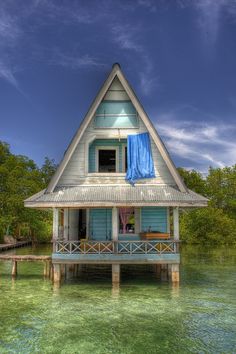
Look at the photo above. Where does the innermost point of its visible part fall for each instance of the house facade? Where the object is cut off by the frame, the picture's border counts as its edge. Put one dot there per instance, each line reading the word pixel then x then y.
pixel 100 217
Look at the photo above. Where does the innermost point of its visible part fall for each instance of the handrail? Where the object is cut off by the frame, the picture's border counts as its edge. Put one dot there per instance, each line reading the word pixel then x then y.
pixel 117 247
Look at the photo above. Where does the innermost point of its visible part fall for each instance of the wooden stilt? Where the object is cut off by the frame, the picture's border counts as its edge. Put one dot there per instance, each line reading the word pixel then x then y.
pixel 158 271
pixel 164 272
pixel 45 269
pixel 57 273
pixel 115 273
pixel 14 268
pixel 175 273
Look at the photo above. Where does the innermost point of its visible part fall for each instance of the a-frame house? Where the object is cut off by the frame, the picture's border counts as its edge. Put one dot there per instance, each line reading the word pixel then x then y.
pixel 98 215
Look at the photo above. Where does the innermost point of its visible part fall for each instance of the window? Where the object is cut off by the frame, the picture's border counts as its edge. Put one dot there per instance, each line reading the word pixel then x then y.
pixel 107 160
pixel 126 221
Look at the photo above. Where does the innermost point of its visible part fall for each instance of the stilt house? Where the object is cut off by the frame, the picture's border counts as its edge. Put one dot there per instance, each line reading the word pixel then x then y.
pixel 116 193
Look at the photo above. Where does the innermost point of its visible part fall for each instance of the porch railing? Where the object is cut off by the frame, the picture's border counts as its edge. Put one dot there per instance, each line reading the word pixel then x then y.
pixel 117 247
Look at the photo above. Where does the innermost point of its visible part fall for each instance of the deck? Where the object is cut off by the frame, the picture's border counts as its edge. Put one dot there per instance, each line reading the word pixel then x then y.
pixel 8 246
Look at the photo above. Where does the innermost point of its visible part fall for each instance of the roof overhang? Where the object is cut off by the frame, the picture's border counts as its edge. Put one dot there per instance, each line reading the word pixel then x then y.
pixel 91 196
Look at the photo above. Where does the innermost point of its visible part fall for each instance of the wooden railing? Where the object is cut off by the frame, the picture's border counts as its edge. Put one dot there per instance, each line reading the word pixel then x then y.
pixel 117 247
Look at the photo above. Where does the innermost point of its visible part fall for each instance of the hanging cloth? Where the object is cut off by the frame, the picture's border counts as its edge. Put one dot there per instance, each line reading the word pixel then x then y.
pixel 139 158
pixel 125 214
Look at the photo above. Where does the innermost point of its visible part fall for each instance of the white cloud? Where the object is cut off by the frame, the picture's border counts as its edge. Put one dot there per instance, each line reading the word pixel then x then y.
pixel 210 14
pixel 74 61
pixel 201 143
pixel 7 74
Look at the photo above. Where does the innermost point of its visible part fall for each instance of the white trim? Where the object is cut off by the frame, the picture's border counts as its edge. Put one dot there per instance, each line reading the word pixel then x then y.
pixel 116 71
pixel 86 153
pixel 115 224
pixel 123 157
pixel 176 223
pixel 97 148
pixel 55 223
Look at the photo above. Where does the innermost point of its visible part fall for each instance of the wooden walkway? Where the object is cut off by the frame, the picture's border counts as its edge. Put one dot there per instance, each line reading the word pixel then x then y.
pixel 47 260
pixel 8 246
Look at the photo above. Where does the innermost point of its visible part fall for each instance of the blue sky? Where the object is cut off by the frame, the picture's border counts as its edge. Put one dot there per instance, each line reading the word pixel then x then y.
pixel 179 56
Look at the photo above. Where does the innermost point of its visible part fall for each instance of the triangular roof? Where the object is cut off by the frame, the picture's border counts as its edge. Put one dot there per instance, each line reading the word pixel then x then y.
pixel 116 72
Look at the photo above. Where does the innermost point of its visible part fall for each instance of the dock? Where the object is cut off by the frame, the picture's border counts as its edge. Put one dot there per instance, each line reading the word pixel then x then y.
pixel 47 260
pixel 8 246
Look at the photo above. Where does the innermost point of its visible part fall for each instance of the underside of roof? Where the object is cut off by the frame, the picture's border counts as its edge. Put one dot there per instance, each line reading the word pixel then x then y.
pixel 115 195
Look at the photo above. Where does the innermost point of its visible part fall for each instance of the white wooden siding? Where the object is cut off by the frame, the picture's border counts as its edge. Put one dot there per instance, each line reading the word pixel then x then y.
pixel 116 92
pixel 76 171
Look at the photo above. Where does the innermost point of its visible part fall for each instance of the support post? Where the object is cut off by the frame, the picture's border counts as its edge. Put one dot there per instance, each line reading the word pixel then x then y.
pixel 175 273
pixel 115 273
pixel 164 272
pixel 66 224
pixel 157 270
pixel 57 273
pixel 114 224
pixel 45 268
pixel 176 223
pixel 55 226
pixel 14 268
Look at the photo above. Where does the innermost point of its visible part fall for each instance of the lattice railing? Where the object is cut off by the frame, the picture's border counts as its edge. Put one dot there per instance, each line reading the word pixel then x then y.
pixel 117 247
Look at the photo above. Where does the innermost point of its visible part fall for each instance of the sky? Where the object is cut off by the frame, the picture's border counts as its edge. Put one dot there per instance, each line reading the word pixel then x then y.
pixel 179 56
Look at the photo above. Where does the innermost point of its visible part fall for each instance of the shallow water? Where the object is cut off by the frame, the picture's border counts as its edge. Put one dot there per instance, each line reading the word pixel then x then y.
pixel 142 316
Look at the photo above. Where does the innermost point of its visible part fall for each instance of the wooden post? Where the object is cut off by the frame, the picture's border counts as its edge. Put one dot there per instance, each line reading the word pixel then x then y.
pixel 157 270
pixel 176 223
pixel 164 272
pixel 55 226
pixel 45 268
pixel 115 273
pixel 114 224
pixel 57 273
pixel 175 273
pixel 49 269
pixel 14 268
pixel 66 224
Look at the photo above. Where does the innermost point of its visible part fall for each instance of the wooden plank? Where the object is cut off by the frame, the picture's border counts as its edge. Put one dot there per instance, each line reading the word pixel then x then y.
pixel 31 258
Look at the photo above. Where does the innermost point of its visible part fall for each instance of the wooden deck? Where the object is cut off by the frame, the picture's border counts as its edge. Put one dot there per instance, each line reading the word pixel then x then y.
pixel 47 260
pixel 8 246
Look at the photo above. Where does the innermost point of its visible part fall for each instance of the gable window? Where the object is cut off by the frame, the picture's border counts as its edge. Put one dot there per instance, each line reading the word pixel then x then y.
pixel 107 159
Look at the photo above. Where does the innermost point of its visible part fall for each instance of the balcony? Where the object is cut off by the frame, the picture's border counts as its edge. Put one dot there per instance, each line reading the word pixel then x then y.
pixel 155 251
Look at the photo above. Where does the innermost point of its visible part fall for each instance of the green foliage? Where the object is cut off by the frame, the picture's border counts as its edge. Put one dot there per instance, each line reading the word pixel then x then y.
pixel 20 178
pixel 221 189
pixel 193 180
pixel 217 222
pixel 207 225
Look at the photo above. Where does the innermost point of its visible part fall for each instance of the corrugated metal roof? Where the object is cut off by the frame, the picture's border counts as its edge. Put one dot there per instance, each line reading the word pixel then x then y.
pixel 116 194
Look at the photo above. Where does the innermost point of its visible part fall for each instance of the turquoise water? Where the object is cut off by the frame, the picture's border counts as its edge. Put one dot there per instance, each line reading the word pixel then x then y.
pixel 142 316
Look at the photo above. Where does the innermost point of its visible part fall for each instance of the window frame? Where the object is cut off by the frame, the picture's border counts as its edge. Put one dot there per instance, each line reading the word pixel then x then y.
pixel 124 146
pixel 116 148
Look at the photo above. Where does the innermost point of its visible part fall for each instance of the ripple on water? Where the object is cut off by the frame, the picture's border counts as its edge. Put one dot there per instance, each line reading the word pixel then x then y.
pixel 142 316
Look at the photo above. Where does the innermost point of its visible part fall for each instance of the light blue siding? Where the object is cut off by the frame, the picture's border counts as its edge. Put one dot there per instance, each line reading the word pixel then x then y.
pixel 116 114
pixel 154 218
pixel 100 224
pixel 105 142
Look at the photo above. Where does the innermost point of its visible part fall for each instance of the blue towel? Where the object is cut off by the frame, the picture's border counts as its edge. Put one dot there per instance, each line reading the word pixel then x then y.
pixel 139 158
